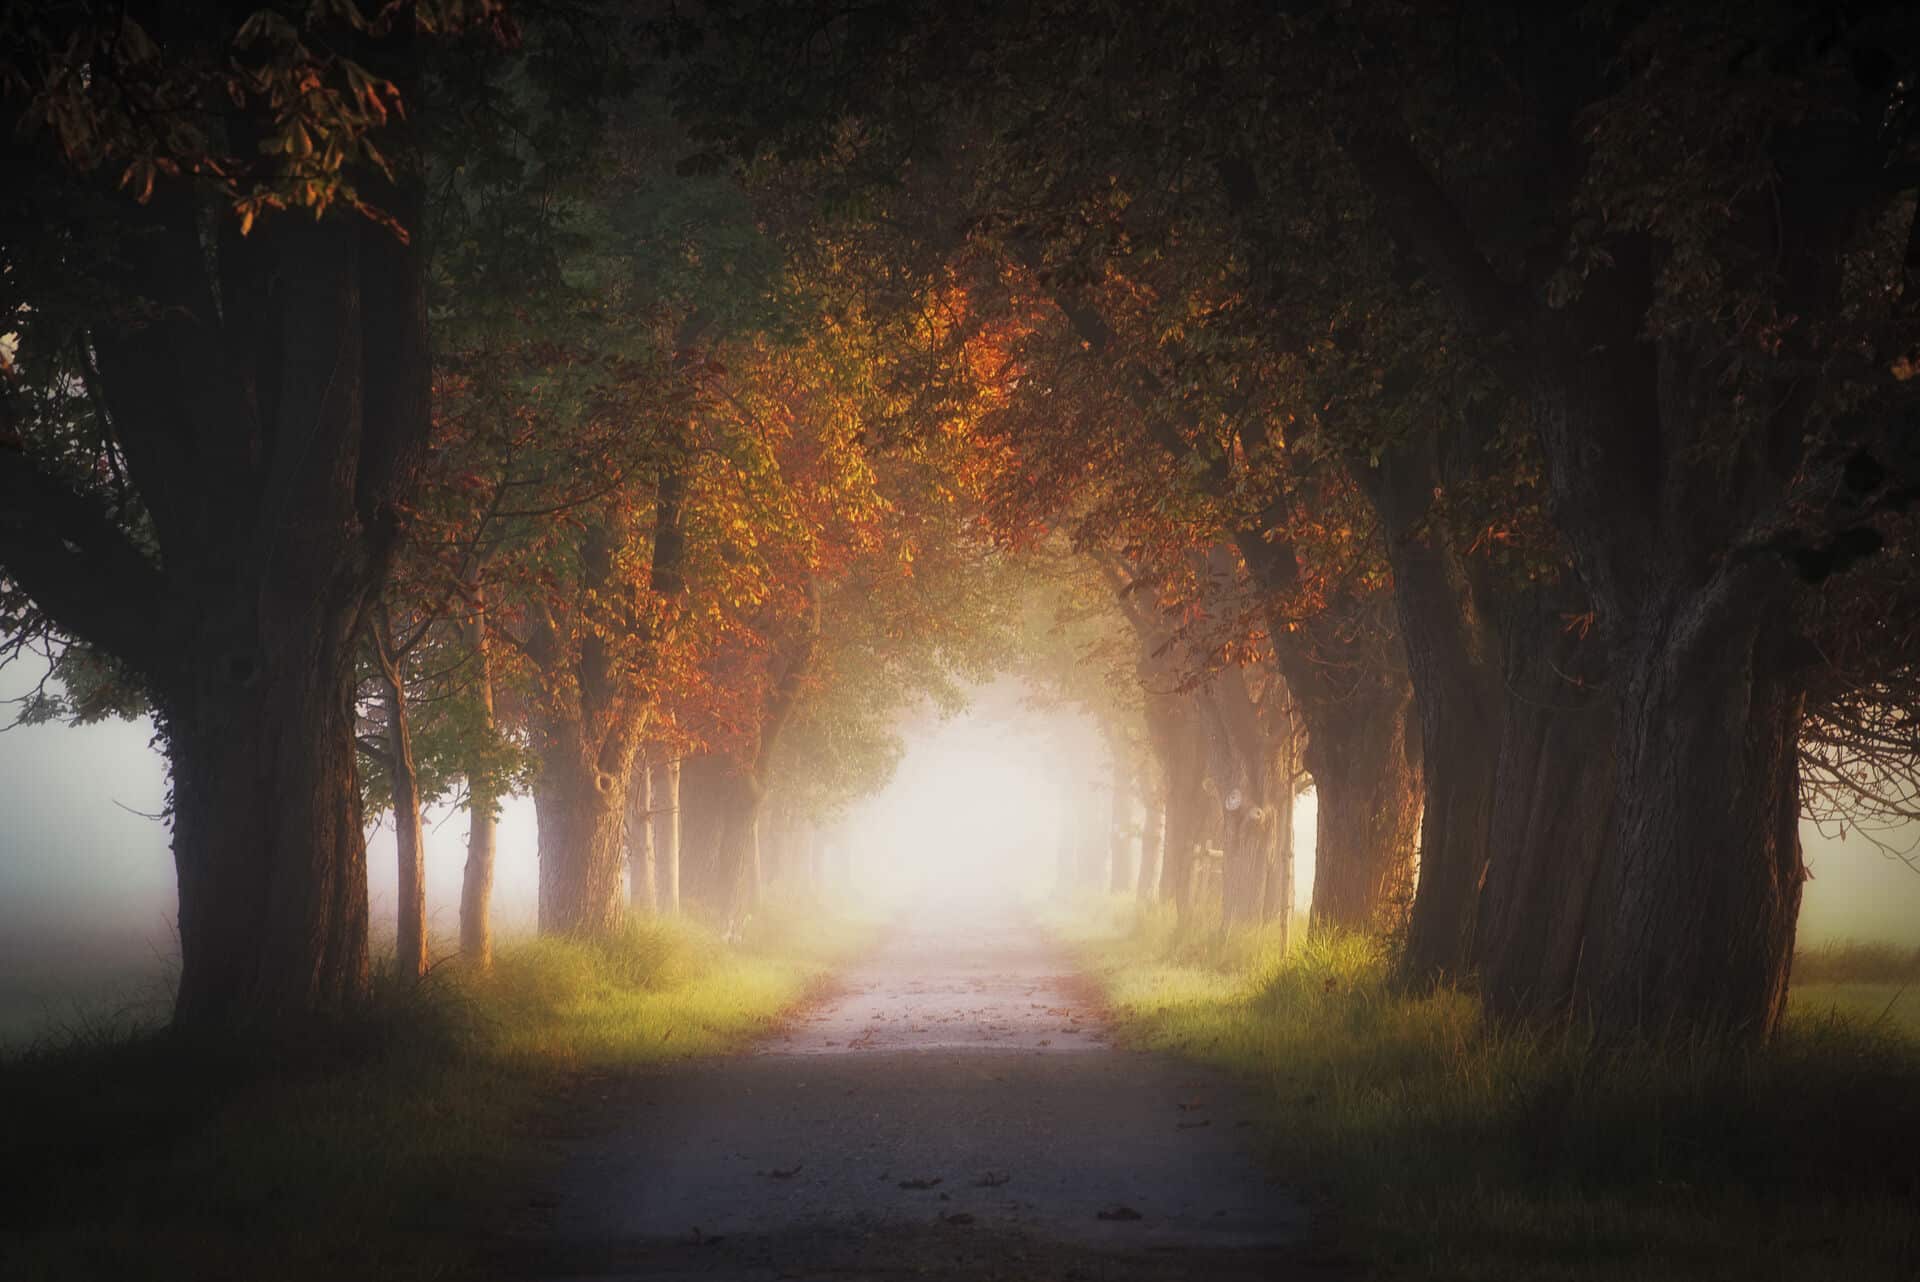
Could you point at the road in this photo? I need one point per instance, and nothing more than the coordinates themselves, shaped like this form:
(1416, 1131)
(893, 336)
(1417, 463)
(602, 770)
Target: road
(957, 1109)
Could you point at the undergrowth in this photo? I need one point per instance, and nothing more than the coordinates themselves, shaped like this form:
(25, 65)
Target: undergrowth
(1446, 1148)
(372, 1151)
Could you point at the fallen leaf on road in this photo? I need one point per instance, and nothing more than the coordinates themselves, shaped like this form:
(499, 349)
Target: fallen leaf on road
(1117, 1213)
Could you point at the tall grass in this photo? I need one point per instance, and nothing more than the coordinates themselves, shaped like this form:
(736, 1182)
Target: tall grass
(1452, 1149)
(1855, 962)
(373, 1151)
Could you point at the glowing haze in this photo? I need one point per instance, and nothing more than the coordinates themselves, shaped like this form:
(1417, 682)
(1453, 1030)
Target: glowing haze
(976, 812)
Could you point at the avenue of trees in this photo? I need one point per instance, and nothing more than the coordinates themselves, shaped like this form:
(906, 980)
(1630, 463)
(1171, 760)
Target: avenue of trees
(1502, 421)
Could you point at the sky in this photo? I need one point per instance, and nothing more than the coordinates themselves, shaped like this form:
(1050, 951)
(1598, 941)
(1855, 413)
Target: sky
(87, 882)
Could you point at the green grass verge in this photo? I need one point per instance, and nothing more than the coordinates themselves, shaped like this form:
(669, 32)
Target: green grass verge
(1446, 1149)
(381, 1150)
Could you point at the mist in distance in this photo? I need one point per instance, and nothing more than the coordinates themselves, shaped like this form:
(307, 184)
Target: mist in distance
(971, 822)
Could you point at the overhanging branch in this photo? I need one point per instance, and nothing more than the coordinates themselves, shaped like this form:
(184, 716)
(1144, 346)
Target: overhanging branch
(79, 567)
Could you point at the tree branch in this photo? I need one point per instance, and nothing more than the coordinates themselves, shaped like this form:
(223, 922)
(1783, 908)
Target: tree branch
(1418, 214)
(80, 568)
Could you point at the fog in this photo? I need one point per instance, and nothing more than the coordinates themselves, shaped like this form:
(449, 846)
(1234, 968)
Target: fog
(975, 812)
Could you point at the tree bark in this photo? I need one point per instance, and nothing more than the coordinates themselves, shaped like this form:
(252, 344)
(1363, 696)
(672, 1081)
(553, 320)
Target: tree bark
(1448, 620)
(642, 859)
(267, 837)
(580, 802)
(483, 814)
(1177, 738)
(410, 891)
(1551, 822)
(1152, 835)
(667, 794)
(1705, 877)
(1364, 759)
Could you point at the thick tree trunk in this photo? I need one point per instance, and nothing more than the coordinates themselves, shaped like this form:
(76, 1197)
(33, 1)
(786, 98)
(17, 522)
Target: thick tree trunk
(1705, 877)
(268, 396)
(1364, 759)
(580, 801)
(1675, 524)
(1550, 825)
(267, 833)
(1448, 624)
(483, 820)
(410, 891)
(642, 857)
(667, 827)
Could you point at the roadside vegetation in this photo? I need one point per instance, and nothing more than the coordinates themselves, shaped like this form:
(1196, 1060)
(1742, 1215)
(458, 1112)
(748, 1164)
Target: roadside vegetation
(1446, 1147)
(385, 1149)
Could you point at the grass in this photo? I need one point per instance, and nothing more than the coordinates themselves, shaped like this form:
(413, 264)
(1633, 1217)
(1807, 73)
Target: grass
(381, 1151)
(1447, 1149)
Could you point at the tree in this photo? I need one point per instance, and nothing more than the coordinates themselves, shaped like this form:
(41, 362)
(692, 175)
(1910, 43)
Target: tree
(1690, 397)
(218, 514)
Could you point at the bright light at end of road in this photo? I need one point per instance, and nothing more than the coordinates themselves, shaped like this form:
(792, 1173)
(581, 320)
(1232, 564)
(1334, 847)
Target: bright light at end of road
(975, 815)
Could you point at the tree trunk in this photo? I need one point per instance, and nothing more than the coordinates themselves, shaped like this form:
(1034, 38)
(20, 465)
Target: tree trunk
(1448, 624)
(580, 801)
(476, 885)
(1152, 837)
(1665, 511)
(1177, 738)
(483, 817)
(269, 397)
(1551, 821)
(589, 740)
(410, 897)
(1364, 759)
(642, 859)
(1705, 878)
(1255, 767)
(1278, 905)
(267, 832)
(667, 827)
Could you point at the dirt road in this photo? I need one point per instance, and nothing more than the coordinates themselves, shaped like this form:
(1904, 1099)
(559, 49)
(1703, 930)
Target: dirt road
(957, 1110)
